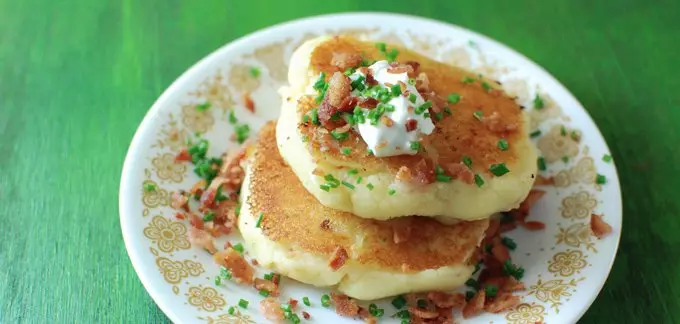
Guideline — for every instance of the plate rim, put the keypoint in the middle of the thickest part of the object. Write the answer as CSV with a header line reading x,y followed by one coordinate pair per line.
x,y
144,128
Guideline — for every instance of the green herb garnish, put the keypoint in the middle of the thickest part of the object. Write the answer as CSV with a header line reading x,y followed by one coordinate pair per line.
x,y
478,180
538,102
259,221
541,163
600,179
203,107
503,144
498,169
453,98
243,303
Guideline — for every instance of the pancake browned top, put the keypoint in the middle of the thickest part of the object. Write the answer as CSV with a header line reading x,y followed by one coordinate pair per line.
x,y
293,217
456,136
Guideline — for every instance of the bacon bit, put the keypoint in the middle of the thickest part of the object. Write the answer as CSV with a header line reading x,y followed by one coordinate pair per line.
x,y
423,172
495,124
318,172
370,320
370,80
423,313
254,262
306,315
293,303
348,104
368,103
411,125
231,173
401,230
338,259
179,200
509,226
386,121
208,197
204,240
438,103
198,187
414,67
461,172
381,145
234,261
511,284
179,216
248,102
599,227
474,305
267,285
500,251
543,181
422,83
325,225
344,60
196,221
492,230
221,229
343,129
183,155
271,309
533,196
344,306
404,174
403,88
502,303
339,88
276,278
446,300
396,68
533,225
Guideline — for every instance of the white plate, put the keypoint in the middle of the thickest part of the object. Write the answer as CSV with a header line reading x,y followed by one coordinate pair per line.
x,y
565,266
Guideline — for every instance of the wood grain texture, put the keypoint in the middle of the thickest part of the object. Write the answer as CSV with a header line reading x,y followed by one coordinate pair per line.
x,y
76,78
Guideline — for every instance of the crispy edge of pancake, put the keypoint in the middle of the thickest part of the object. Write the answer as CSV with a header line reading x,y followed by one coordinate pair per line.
x,y
292,216
456,136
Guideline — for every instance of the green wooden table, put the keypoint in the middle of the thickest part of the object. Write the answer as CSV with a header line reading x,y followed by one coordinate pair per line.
x,y
76,78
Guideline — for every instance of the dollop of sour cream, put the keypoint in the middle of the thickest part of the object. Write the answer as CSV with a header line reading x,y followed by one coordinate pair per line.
x,y
393,138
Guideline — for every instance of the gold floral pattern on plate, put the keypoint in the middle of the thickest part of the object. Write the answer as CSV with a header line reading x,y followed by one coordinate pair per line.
x,y
526,314
549,111
171,135
167,234
205,298
576,235
236,318
272,56
241,79
174,271
155,197
198,121
579,205
554,291
583,172
216,92
167,168
567,263
557,144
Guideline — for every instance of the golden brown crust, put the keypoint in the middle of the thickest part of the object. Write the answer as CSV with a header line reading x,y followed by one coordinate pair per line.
x,y
292,216
458,135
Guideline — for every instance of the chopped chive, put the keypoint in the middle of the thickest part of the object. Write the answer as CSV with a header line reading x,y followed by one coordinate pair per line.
x,y
600,179
399,302
498,169
315,116
440,175
243,303
396,90
209,216
359,180
477,267
325,301
421,303
412,81
392,55
259,221
607,158
353,171
415,146
507,218
346,151
565,159
325,187
538,102
510,243
467,161
219,196
472,283
264,293
391,191
232,117
468,80
218,281
535,133
254,72
487,87
491,290
447,110
425,106
469,295
541,163
269,276
478,180
412,98
478,114
320,83
439,115
369,186
563,130
339,136
503,144
513,270
381,46
238,247
348,185
231,310
305,301
453,98
225,273
203,107
294,319
242,133
305,119
575,135
149,187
